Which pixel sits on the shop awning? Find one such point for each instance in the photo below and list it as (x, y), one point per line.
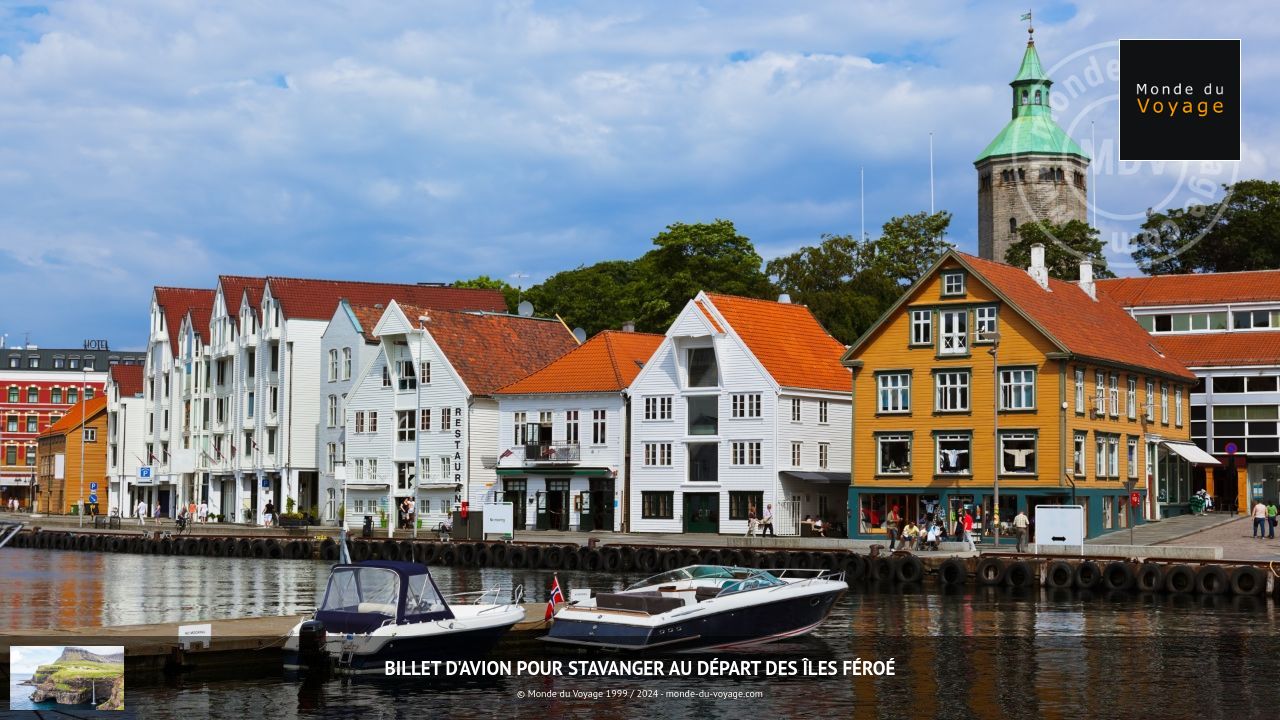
(555, 472)
(438, 486)
(1191, 453)
(822, 478)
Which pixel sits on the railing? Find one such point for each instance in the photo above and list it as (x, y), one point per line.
(787, 518)
(551, 453)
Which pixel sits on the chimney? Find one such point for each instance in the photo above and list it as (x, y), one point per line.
(1038, 271)
(628, 326)
(1086, 278)
(784, 298)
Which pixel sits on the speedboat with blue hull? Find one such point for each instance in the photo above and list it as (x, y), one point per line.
(701, 608)
(378, 611)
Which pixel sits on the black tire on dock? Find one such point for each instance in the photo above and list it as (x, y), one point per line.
(833, 561)
(329, 551)
(708, 557)
(533, 557)
(82, 543)
(484, 556)
(882, 569)
(466, 554)
(1248, 580)
(202, 547)
(166, 546)
(1118, 576)
(611, 559)
(803, 561)
(299, 549)
(647, 560)
(627, 553)
(589, 559)
(258, 549)
(420, 552)
(1059, 575)
(551, 557)
(731, 557)
(989, 571)
(953, 571)
(449, 556)
(498, 554)
(909, 570)
(515, 557)
(406, 550)
(359, 550)
(1087, 575)
(1179, 579)
(689, 557)
(1018, 575)
(1149, 578)
(274, 550)
(570, 559)
(670, 560)
(387, 550)
(854, 567)
(780, 560)
(1212, 580)
(244, 548)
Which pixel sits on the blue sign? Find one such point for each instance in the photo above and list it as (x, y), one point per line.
(144, 473)
(93, 497)
(1232, 448)
(266, 483)
(93, 487)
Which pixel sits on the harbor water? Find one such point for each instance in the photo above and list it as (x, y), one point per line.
(971, 653)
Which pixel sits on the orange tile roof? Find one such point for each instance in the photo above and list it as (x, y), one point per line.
(368, 317)
(316, 299)
(71, 420)
(233, 289)
(1194, 289)
(1095, 329)
(128, 378)
(1225, 348)
(492, 350)
(607, 362)
(788, 340)
(176, 302)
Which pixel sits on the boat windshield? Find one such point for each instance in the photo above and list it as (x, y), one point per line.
(694, 572)
(757, 581)
(422, 596)
(363, 590)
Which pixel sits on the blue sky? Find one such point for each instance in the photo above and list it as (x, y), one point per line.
(161, 143)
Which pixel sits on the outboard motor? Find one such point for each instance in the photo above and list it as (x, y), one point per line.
(312, 653)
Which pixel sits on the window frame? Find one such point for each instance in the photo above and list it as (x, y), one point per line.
(941, 437)
(894, 437)
(953, 283)
(962, 334)
(939, 387)
(662, 506)
(921, 319)
(1005, 405)
(899, 393)
(1020, 436)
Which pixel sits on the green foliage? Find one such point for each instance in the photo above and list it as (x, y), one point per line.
(596, 297)
(1065, 245)
(910, 244)
(510, 293)
(1240, 235)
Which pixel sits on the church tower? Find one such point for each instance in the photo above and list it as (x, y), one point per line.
(1033, 170)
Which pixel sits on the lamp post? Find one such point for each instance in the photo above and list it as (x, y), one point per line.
(84, 423)
(417, 421)
(993, 337)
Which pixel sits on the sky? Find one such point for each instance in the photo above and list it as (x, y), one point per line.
(163, 142)
(24, 659)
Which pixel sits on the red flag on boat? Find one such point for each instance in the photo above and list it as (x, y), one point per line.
(557, 595)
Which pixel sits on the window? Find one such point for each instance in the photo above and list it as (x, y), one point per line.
(33, 395)
(386, 376)
(657, 505)
(11, 455)
(1100, 459)
(1018, 389)
(1255, 319)
(746, 405)
(1078, 459)
(745, 453)
(359, 421)
(954, 337)
(373, 469)
(702, 368)
(89, 392)
(704, 414)
(273, 400)
(894, 453)
(249, 405)
(13, 394)
(73, 395)
(795, 409)
(346, 363)
(951, 391)
(333, 365)
(372, 419)
(984, 322)
(953, 283)
(331, 457)
(824, 450)
(953, 454)
(571, 427)
(74, 363)
(1164, 404)
(271, 441)
(1113, 395)
(250, 363)
(894, 392)
(1113, 456)
(405, 425)
(657, 454)
(406, 379)
(424, 419)
(519, 428)
(1150, 408)
(55, 395)
(332, 411)
(14, 361)
(795, 453)
(424, 371)
(743, 504)
(446, 418)
(1018, 453)
(1177, 406)
(921, 327)
(1108, 512)
(1131, 399)
(91, 434)
(11, 424)
(704, 460)
(32, 424)
(31, 454)
(822, 412)
(1099, 392)
(404, 476)
(599, 429)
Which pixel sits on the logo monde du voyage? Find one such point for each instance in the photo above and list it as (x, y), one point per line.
(1179, 99)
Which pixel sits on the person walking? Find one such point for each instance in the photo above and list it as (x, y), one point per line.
(142, 512)
(1272, 510)
(203, 512)
(1020, 523)
(968, 530)
(268, 514)
(751, 520)
(766, 521)
(891, 522)
(1259, 520)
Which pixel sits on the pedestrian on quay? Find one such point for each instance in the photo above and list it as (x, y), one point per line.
(910, 535)
(203, 512)
(1020, 523)
(891, 522)
(752, 522)
(142, 512)
(1272, 510)
(1259, 520)
(968, 530)
(155, 510)
(268, 514)
(766, 522)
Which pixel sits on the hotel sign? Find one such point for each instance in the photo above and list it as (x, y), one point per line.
(97, 345)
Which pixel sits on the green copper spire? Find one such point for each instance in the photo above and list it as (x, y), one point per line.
(1031, 131)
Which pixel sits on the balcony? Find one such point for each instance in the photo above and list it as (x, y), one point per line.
(538, 454)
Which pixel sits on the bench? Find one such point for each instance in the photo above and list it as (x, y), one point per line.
(442, 532)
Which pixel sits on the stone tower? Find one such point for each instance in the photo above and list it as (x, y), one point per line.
(1033, 170)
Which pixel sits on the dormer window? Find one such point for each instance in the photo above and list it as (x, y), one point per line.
(953, 283)
(702, 368)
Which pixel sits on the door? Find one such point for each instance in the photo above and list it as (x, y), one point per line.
(1226, 488)
(557, 504)
(162, 497)
(701, 512)
(515, 492)
(600, 501)
(543, 519)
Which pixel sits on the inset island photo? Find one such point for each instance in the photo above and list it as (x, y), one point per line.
(58, 677)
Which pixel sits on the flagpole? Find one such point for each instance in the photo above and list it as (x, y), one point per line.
(930, 173)
(862, 202)
(1093, 139)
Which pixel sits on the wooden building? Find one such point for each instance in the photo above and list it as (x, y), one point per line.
(77, 441)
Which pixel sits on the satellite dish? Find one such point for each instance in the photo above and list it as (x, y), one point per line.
(525, 308)
(580, 334)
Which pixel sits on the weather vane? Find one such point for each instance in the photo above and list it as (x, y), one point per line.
(1027, 16)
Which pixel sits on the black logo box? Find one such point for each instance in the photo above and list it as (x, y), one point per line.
(1186, 69)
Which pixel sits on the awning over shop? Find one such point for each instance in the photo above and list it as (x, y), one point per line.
(438, 486)
(554, 473)
(828, 478)
(1191, 453)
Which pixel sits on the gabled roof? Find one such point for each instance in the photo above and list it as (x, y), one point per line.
(367, 316)
(1224, 348)
(490, 350)
(200, 316)
(316, 299)
(175, 303)
(128, 378)
(72, 419)
(1098, 330)
(233, 289)
(787, 340)
(607, 362)
(1194, 289)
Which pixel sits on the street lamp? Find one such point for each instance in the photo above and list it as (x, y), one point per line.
(417, 420)
(993, 337)
(84, 423)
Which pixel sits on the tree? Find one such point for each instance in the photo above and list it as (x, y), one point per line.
(510, 293)
(1065, 245)
(594, 297)
(1238, 234)
(910, 244)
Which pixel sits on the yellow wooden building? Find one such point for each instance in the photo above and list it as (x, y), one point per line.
(71, 460)
(1090, 409)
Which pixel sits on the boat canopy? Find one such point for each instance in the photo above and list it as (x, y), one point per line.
(367, 595)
